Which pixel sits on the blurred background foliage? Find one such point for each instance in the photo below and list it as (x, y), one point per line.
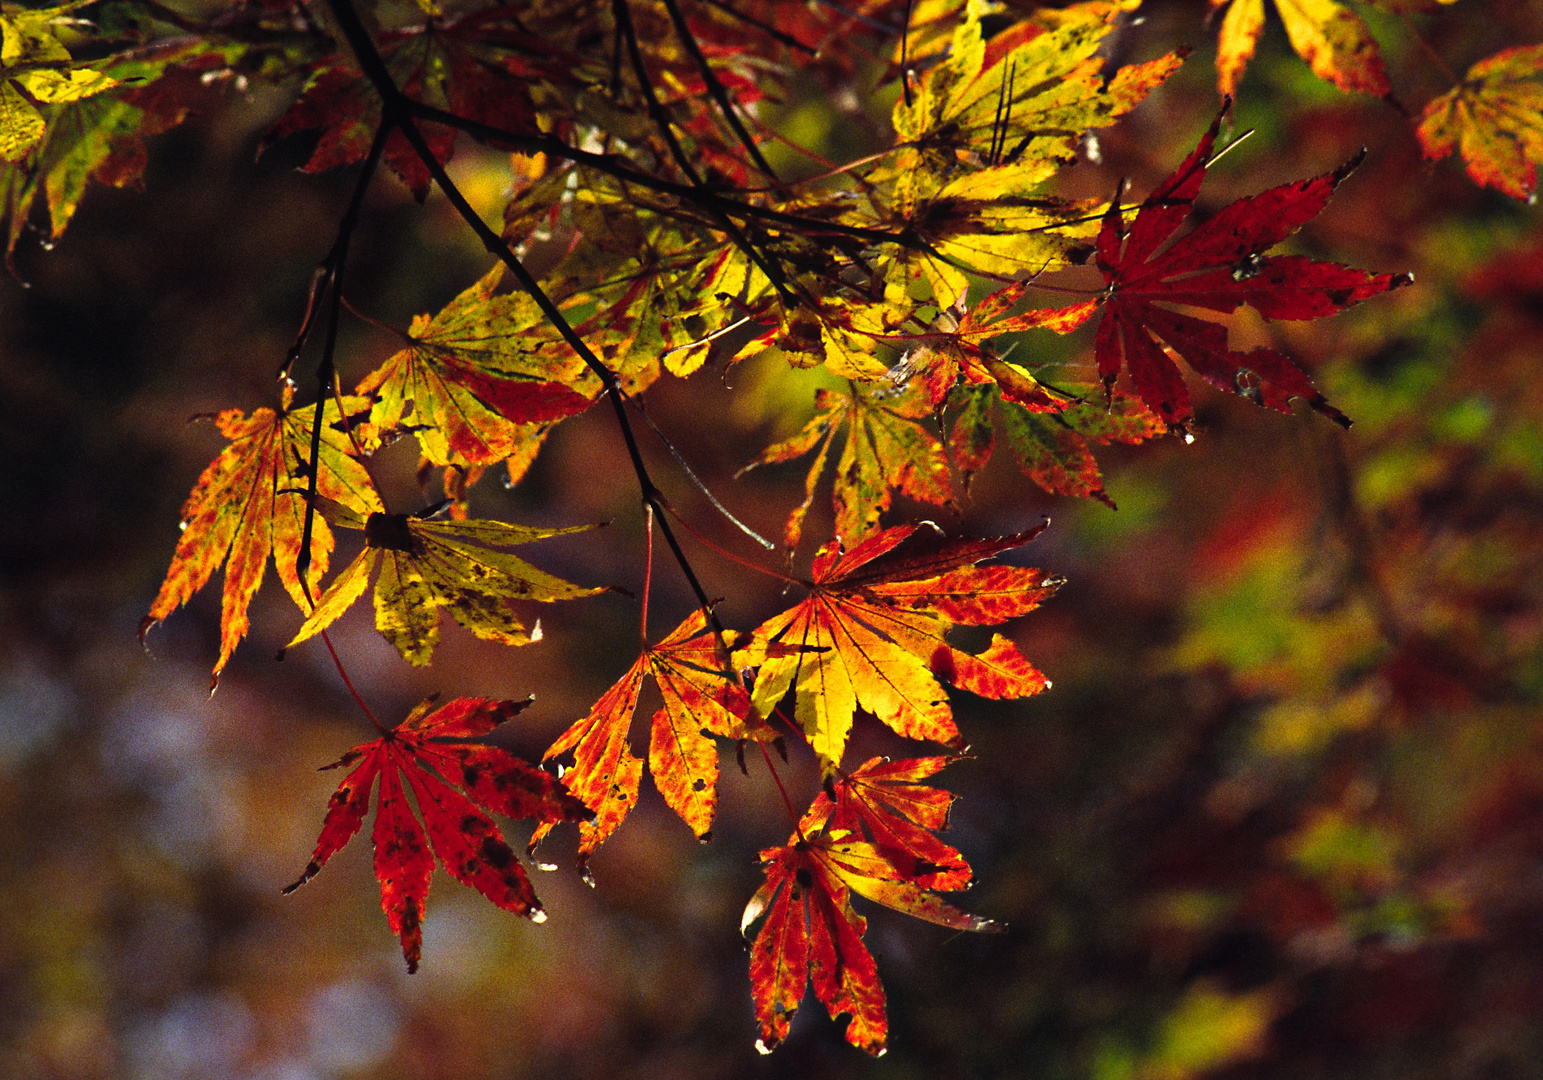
(1280, 816)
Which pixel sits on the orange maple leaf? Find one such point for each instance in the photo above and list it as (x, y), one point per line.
(453, 782)
(700, 700)
(250, 502)
(871, 635)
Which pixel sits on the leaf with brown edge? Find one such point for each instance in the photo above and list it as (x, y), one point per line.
(1494, 118)
(1332, 39)
(870, 635)
(882, 802)
(250, 502)
(812, 937)
(476, 376)
(455, 784)
(428, 565)
(701, 698)
(889, 447)
(1219, 266)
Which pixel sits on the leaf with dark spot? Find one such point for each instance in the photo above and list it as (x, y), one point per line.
(455, 824)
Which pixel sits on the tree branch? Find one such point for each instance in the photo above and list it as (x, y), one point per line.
(397, 112)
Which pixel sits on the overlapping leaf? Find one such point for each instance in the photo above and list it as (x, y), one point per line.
(475, 375)
(1332, 39)
(429, 565)
(1494, 118)
(472, 67)
(456, 784)
(1219, 266)
(811, 935)
(250, 502)
(1014, 107)
(882, 803)
(36, 69)
(700, 699)
(954, 350)
(870, 635)
(889, 447)
(1055, 450)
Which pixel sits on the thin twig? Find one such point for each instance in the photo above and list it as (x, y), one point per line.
(715, 89)
(700, 486)
(623, 16)
(766, 28)
(331, 283)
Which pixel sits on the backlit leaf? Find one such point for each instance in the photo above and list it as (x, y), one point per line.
(1494, 118)
(871, 635)
(700, 699)
(428, 565)
(454, 784)
(476, 375)
(1332, 39)
(1220, 266)
(811, 935)
(888, 448)
(250, 502)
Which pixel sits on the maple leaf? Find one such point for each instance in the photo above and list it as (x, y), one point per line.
(870, 635)
(1053, 449)
(882, 801)
(953, 350)
(455, 784)
(1332, 39)
(1220, 266)
(250, 502)
(428, 565)
(466, 66)
(700, 700)
(36, 69)
(475, 375)
(1494, 118)
(811, 935)
(888, 448)
(1015, 107)
(101, 137)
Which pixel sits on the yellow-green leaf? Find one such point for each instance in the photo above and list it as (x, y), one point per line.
(454, 565)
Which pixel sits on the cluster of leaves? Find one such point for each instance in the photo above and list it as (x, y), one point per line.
(669, 243)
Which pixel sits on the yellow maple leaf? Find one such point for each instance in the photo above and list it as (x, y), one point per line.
(1494, 118)
(428, 565)
(1332, 39)
(36, 67)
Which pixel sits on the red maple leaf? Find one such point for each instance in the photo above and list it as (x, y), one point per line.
(1220, 266)
(882, 801)
(453, 783)
(811, 935)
